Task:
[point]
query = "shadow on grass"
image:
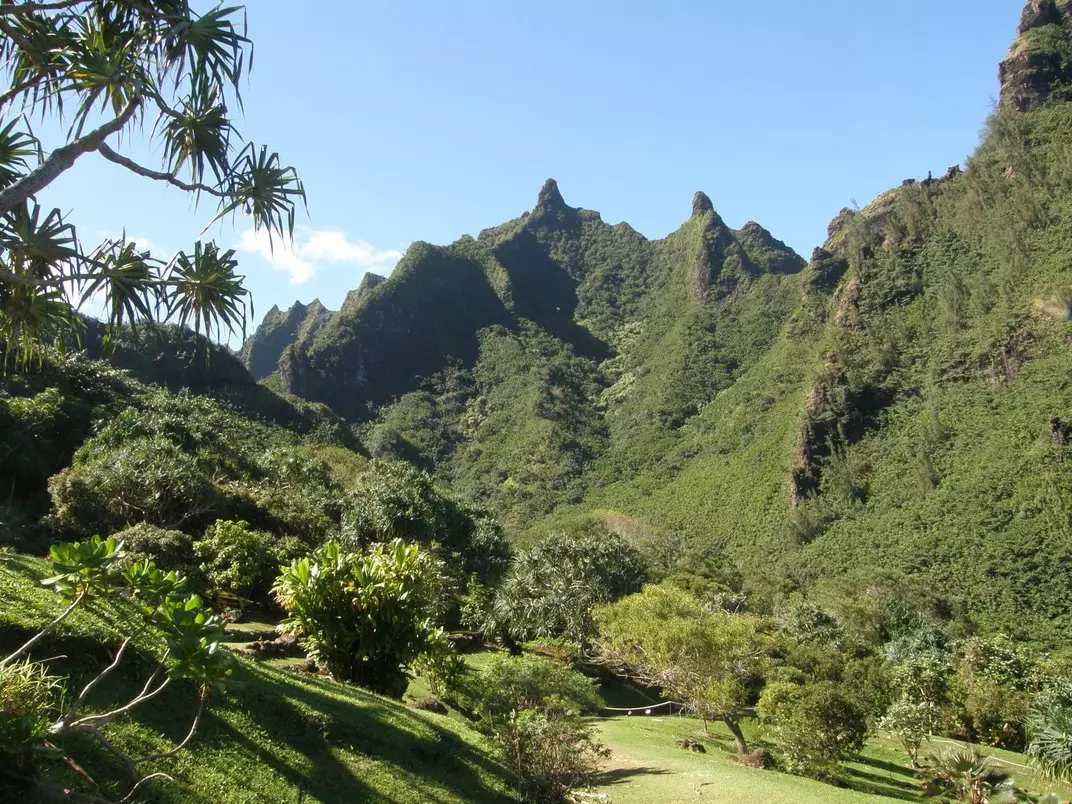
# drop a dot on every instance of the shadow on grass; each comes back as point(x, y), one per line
point(619, 775)
point(407, 746)
point(896, 786)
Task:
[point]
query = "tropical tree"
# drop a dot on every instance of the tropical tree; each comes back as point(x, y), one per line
point(363, 616)
point(704, 658)
point(1049, 727)
point(101, 69)
point(550, 589)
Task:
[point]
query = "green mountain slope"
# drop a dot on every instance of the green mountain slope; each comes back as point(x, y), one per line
point(896, 406)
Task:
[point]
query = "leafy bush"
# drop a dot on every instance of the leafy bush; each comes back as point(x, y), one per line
point(238, 561)
point(965, 774)
point(363, 616)
point(815, 725)
point(1049, 728)
point(171, 550)
point(530, 709)
point(550, 589)
point(30, 698)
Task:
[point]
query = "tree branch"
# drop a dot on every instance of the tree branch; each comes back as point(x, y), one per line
point(170, 178)
point(47, 629)
point(63, 158)
point(67, 718)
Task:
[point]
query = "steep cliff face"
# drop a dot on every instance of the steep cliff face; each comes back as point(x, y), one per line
point(261, 352)
point(1038, 68)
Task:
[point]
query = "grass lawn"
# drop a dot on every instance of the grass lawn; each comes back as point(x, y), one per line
point(272, 736)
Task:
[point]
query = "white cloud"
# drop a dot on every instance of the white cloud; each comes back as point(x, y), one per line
point(301, 257)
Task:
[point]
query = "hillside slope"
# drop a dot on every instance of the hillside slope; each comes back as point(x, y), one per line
point(273, 735)
point(897, 408)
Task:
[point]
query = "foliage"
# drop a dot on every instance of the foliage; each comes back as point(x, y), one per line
point(911, 722)
point(171, 550)
point(303, 722)
point(967, 775)
point(180, 462)
point(1049, 728)
point(105, 68)
point(530, 707)
point(239, 561)
point(32, 712)
point(392, 500)
point(815, 725)
point(363, 616)
point(703, 658)
point(550, 589)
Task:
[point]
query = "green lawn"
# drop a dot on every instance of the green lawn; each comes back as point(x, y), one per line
point(272, 736)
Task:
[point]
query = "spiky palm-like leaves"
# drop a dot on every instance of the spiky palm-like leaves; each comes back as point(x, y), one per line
point(1049, 728)
point(125, 62)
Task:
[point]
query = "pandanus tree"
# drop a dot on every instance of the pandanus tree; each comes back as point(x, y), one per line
point(102, 70)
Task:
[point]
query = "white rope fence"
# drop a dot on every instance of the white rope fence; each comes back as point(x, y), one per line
point(646, 709)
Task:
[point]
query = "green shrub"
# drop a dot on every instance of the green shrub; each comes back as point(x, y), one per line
point(238, 561)
point(171, 550)
point(815, 725)
point(1049, 729)
point(530, 710)
point(30, 698)
point(363, 616)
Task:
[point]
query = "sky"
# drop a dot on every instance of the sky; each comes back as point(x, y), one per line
point(429, 120)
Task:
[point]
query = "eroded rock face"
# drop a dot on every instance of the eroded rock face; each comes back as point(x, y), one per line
point(1039, 65)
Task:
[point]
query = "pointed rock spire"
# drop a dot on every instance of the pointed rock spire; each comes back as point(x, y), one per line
point(550, 199)
point(701, 203)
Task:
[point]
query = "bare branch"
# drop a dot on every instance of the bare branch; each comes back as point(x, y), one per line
point(93, 721)
point(46, 630)
point(89, 687)
point(170, 178)
point(63, 158)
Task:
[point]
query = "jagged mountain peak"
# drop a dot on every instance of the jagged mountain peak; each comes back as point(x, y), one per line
point(701, 203)
point(550, 199)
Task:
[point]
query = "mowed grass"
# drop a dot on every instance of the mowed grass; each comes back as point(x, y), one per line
point(647, 765)
point(271, 736)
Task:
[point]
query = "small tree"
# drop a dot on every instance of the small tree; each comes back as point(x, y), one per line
point(911, 722)
point(550, 589)
point(816, 725)
point(363, 616)
point(530, 709)
point(106, 67)
point(706, 659)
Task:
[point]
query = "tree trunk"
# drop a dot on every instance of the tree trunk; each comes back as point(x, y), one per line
point(738, 736)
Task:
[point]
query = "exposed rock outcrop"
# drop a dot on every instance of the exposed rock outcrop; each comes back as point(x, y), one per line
point(1039, 65)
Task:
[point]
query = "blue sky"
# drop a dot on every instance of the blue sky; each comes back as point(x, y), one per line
point(425, 121)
